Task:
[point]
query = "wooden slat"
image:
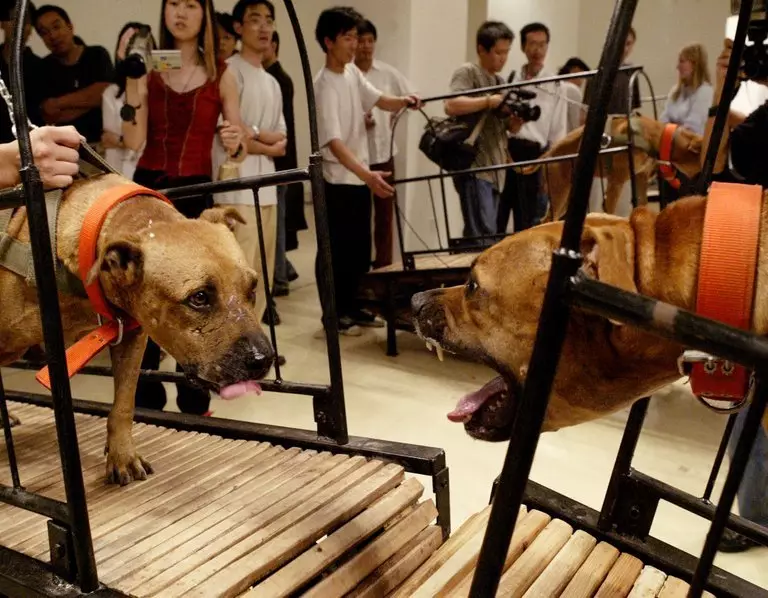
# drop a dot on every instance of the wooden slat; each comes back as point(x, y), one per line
point(305, 567)
point(397, 569)
point(591, 574)
point(563, 567)
point(233, 523)
point(240, 574)
point(454, 543)
point(521, 575)
point(525, 534)
point(674, 588)
point(621, 577)
point(457, 567)
point(433, 262)
point(649, 584)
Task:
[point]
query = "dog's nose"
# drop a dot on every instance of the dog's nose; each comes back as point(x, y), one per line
point(256, 353)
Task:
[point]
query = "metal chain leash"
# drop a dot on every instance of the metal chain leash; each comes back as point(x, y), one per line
point(6, 94)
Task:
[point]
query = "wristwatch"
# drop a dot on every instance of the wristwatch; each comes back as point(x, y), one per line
point(128, 113)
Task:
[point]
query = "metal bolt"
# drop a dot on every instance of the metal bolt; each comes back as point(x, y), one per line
point(59, 551)
point(634, 512)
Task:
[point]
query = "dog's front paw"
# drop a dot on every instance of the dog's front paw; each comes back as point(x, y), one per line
point(125, 466)
point(14, 421)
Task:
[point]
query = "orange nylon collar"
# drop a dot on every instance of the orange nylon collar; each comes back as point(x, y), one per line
point(668, 172)
point(726, 285)
point(83, 351)
point(89, 238)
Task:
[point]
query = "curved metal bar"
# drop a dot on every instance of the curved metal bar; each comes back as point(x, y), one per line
point(51, 322)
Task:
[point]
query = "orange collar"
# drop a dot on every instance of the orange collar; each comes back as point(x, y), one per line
point(82, 352)
point(668, 172)
point(726, 288)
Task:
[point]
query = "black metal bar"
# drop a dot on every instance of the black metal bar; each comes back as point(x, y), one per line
point(51, 322)
point(441, 488)
point(752, 424)
point(699, 506)
point(266, 282)
point(623, 464)
point(631, 138)
point(281, 177)
point(297, 388)
point(22, 576)
point(669, 321)
point(37, 503)
point(553, 324)
point(12, 198)
point(9, 446)
point(652, 552)
point(718, 463)
point(515, 166)
point(421, 460)
point(721, 116)
point(528, 83)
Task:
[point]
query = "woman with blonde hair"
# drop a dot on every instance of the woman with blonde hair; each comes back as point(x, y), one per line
point(690, 99)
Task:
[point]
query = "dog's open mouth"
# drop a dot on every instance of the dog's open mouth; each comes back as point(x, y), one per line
point(487, 413)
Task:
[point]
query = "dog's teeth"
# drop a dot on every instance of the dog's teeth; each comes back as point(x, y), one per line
point(439, 350)
point(429, 347)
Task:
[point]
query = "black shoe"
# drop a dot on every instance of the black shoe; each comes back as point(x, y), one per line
point(733, 542)
point(365, 318)
point(275, 316)
point(291, 272)
point(281, 290)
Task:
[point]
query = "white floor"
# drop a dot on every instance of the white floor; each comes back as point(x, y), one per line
point(406, 398)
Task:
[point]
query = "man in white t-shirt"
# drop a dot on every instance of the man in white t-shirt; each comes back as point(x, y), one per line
point(343, 97)
point(523, 193)
point(261, 108)
point(378, 124)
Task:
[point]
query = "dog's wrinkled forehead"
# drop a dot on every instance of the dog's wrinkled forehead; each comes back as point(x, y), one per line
point(184, 256)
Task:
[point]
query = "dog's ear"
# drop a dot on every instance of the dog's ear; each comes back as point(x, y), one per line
point(122, 260)
point(229, 217)
point(609, 254)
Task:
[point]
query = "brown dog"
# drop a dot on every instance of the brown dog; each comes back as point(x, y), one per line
point(185, 281)
point(604, 366)
point(557, 176)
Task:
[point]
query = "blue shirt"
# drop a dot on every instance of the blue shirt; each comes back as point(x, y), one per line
point(690, 108)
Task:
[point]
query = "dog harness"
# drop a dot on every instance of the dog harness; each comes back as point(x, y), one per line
point(117, 324)
point(725, 292)
point(666, 169)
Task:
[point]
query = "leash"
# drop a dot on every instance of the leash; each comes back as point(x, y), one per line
point(725, 292)
point(111, 331)
point(667, 171)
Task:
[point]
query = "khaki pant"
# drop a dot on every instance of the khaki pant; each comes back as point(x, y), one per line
point(248, 236)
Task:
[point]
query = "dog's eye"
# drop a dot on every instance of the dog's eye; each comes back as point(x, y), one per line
point(472, 286)
point(252, 292)
point(199, 300)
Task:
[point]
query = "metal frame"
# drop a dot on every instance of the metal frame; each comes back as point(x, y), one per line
point(69, 529)
point(567, 290)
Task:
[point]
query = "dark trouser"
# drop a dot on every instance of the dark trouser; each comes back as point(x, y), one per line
point(383, 218)
point(479, 208)
point(151, 395)
point(522, 193)
point(349, 223)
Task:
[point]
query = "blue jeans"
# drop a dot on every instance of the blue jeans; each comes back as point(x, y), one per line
point(281, 262)
point(479, 207)
point(753, 490)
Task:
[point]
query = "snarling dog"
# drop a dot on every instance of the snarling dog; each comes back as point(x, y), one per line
point(186, 282)
point(604, 366)
point(685, 155)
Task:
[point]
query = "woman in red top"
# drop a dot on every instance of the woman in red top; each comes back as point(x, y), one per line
point(173, 117)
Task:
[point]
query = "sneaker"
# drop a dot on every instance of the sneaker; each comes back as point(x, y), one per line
point(365, 318)
point(349, 327)
point(275, 316)
point(281, 290)
point(733, 542)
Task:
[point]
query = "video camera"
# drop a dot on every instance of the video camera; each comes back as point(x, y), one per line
point(516, 103)
point(755, 56)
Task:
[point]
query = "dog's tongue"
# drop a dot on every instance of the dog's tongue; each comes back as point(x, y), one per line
point(235, 391)
point(473, 401)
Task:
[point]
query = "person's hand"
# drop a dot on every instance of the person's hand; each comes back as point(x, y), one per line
point(110, 140)
point(278, 149)
point(495, 101)
point(515, 124)
point(369, 121)
point(377, 183)
point(231, 136)
point(55, 152)
point(122, 44)
point(412, 101)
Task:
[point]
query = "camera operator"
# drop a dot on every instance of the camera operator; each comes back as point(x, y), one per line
point(479, 193)
point(741, 159)
point(547, 124)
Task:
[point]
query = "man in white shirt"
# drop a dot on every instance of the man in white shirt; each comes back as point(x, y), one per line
point(261, 107)
point(343, 97)
point(522, 194)
point(378, 123)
